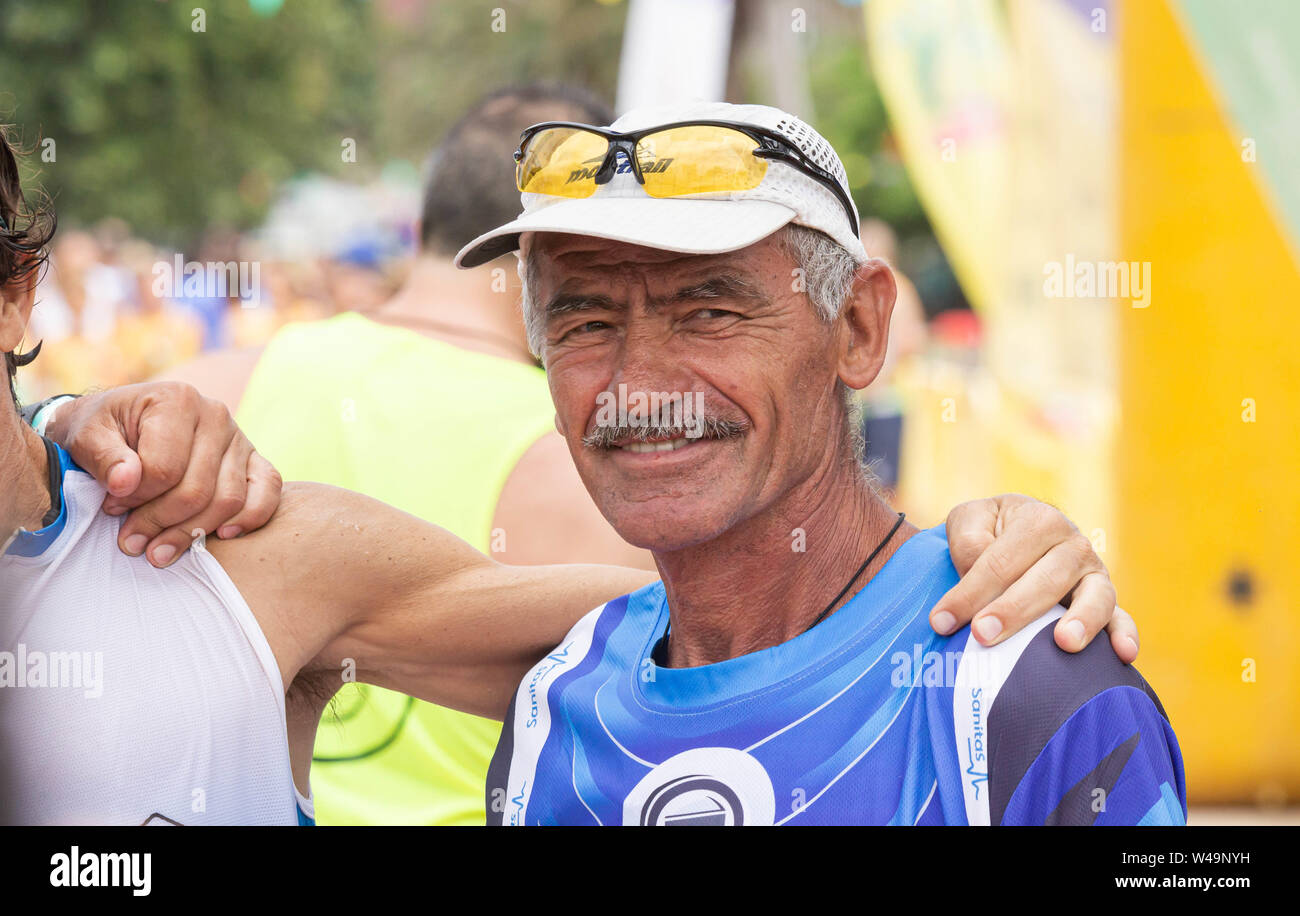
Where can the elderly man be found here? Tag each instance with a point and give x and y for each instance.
(783, 670)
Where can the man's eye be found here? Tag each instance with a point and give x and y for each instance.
(715, 313)
(587, 327)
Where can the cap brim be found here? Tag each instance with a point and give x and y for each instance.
(693, 226)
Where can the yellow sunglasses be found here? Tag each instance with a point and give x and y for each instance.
(566, 159)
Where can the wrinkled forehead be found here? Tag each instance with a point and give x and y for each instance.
(560, 258)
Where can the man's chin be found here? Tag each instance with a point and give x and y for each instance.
(662, 530)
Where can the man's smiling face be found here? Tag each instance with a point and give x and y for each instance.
(729, 327)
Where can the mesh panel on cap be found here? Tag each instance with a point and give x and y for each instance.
(814, 146)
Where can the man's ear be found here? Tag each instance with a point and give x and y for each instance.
(16, 299)
(865, 324)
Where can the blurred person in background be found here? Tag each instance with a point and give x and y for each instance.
(211, 310)
(157, 333)
(289, 292)
(78, 314)
(356, 279)
(98, 306)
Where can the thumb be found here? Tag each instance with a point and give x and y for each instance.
(103, 452)
(124, 475)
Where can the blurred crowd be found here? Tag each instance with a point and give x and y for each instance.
(111, 311)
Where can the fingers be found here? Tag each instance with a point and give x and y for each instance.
(1040, 589)
(1007, 557)
(226, 501)
(169, 442)
(1123, 636)
(260, 502)
(191, 473)
(1091, 608)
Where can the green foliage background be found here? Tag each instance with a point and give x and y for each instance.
(172, 129)
(176, 130)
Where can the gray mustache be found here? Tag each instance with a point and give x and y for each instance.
(604, 437)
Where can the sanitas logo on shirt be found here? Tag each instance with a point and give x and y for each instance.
(976, 758)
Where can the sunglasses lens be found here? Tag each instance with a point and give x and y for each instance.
(561, 161)
(699, 159)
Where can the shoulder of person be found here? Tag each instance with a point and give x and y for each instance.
(1045, 684)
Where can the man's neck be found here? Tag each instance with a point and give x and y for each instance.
(765, 581)
(27, 474)
(473, 309)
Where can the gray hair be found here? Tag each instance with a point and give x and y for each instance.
(825, 267)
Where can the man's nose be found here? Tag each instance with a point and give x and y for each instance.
(649, 362)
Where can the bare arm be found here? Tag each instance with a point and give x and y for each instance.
(346, 586)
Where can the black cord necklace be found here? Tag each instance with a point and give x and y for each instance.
(861, 569)
(660, 651)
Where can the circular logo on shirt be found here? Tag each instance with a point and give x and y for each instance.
(703, 787)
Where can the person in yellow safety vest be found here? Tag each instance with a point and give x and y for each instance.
(433, 403)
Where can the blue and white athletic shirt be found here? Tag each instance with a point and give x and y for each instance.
(868, 718)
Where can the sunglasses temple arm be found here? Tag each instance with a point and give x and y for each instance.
(826, 180)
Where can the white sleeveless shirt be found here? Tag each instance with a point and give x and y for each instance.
(131, 695)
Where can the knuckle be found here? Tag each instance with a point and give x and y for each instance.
(177, 537)
(1007, 607)
(217, 411)
(1080, 551)
(1057, 583)
(1035, 516)
(191, 498)
(958, 600)
(166, 469)
(1097, 600)
(228, 505)
(972, 542)
(101, 454)
(1000, 566)
(960, 509)
(1044, 521)
(143, 521)
(273, 479)
(178, 391)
